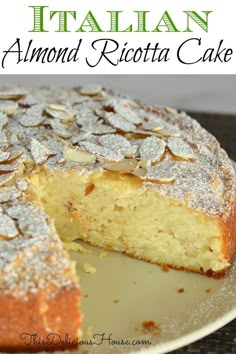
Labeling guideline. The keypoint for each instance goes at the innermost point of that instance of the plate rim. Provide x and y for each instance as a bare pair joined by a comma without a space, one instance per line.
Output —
192,337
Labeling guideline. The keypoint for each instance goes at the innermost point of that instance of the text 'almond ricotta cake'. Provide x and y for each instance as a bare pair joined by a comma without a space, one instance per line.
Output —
91,164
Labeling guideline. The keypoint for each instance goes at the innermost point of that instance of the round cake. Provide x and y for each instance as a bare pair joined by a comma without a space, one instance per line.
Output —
87,163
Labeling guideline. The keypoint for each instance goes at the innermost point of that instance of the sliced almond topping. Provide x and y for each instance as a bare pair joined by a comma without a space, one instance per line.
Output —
39,152
163,172
154,126
170,131
8,228
117,143
57,107
4,155
28,101
3,120
101,153
152,149
157,129
8,194
158,179
15,153
151,121
120,123
3,139
140,172
81,137
90,90
77,155
100,129
128,113
32,117
8,107
60,129
5,178
142,134
124,166
8,92
62,113
21,184
6,168
145,163
180,148
86,119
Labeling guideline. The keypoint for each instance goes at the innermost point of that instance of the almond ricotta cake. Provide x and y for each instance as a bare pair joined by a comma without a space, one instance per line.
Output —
87,163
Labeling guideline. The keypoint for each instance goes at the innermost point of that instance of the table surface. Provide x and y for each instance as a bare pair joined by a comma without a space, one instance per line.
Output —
222,341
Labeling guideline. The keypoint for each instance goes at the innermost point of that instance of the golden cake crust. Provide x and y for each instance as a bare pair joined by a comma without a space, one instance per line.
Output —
39,323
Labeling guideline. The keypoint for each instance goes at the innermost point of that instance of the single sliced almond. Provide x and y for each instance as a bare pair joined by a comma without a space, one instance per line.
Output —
39,151
60,129
76,155
163,172
140,172
5,178
7,168
91,90
64,115
8,92
8,228
32,117
4,155
160,179
124,166
56,107
15,153
180,148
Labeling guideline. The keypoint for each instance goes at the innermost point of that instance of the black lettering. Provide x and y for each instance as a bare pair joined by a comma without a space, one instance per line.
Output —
179,54
12,50
105,51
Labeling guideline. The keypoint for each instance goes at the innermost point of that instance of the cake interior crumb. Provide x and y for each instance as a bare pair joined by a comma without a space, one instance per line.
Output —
89,268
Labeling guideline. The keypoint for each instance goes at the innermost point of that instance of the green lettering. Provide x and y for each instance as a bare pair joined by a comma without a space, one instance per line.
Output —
197,19
62,26
168,23
90,22
141,21
114,16
38,18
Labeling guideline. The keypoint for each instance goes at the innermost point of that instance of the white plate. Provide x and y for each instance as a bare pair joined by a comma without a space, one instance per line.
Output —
145,292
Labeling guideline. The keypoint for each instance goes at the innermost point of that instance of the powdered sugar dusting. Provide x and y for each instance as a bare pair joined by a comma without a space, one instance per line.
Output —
37,127
39,151
152,149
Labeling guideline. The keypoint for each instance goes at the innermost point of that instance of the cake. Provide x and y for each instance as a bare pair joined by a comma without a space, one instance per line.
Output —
87,163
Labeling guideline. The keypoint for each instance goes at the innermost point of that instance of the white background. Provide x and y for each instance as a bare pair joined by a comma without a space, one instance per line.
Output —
17,21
